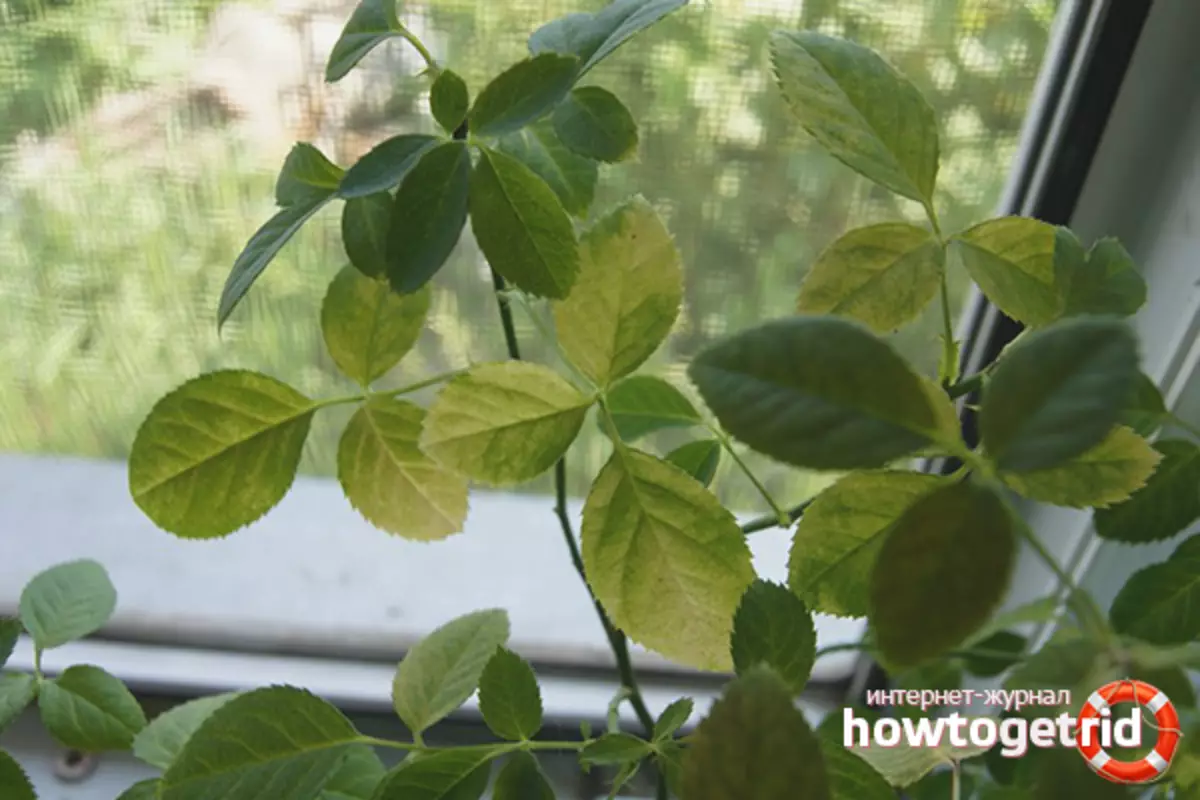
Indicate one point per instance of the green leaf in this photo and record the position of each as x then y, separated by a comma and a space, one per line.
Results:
627, 295
1012, 261
643, 404
306, 172
1169, 502
882, 275
572, 177
263, 246
1061, 773
1003, 650
509, 698
755, 745
365, 222
522, 227
673, 717
1041, 610
357, 778
522, 779
698, 459
449, 100
594, 37
66, 602
1103, 281
10, 631
904, 765
279, 742
386, 164
428, 216
14, 783
87, 709
218, 453
941, 572
1058, 393
1145, 411
372, 23
1063, 663
522, 94
17, 691
504, 423
850, 777
1160, 604
839, 536
161, 742
816, 392
665, 559
594, 123
441, 671
614, 748
368, 327
669, 760
458, 774
142, 790
860, 109
1108, 473
773, 627
387, 478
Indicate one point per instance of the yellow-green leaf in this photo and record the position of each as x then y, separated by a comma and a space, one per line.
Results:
218, 453
1102, 281
367, 326
773, 627
839, 536
458, 773
882, 275
17, 691
522, 778
1108, 473
1168, 503
942, 570
627, 295
665, 559
860, 109
387, 478
504, 423
1012, 260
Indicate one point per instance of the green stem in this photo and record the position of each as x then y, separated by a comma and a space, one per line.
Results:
339, 401
1081, 602
412, 39
955, 780
965, 386
768, 521
509, 747
1183, 424
782, 519
422, 384
37, 664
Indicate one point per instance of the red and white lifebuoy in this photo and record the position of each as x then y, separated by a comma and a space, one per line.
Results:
1157, 760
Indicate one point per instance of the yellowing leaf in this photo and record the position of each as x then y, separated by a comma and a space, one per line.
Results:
504, 423
1012, 260
389, 480
665, 559
218, 452
627, 295
839, 536
1169, 503
882, 275
1108, 473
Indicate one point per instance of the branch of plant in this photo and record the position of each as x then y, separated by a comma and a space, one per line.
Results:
768, 521
1082, 603
781, 517
413, 39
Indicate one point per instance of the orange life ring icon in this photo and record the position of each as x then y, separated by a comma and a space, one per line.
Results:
1167, 721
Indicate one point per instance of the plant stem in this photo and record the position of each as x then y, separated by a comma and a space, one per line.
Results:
965, 385
412, 39
781, 517
768, 521
413, 746
414, 387
955, 780
1080, 601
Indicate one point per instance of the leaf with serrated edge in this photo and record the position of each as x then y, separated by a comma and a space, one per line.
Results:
160, 742
614, 748
522, 779
442, 670
449, 100
1166, 505
593, 37
509, 698
14, 783
1108, 473
665, 559
643, 404
594, 123
850, 776
387, 478
698, 459
840, 534
504, 423
17, 691
572, 177
367, 327
365, 222
627, 295
10, 631
673, 717
882, 275
522, 94
87, 709
305, 171
279, 742
941, 571
218, 453
1012, 261
521, 226
66, 602
385, 165
773, 627
860, 109
372, 23
142, 790
357, 778
1145, 411
755, 743
458, 774
1160, 604
904, 765
816, 392
1058, 393
1102, 281
428, 216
